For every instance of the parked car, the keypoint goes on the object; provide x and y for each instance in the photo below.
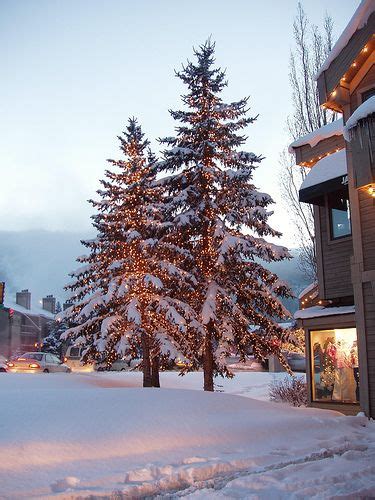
(3, 364)
(37, 362)
(72, 359)
(120, 365)
(296, 361)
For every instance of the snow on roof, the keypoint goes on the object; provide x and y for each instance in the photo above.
(329, 130)
(308, 289)
(365, 109)
(317, 311)
(35, 310)
(327, 168)
(359, 19)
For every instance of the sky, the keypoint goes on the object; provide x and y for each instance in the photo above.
(73, 71)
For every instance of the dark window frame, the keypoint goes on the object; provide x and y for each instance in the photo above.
(310, 368)
(366, 94)
(331, 238)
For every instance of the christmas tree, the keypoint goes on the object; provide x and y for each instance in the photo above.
(220, 220)
(121, 303)
(53, 342)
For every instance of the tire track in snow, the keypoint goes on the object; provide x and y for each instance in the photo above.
(179, 483)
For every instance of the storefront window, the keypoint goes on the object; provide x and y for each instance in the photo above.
(334, 363)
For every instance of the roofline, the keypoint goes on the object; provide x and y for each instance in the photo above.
(332, 81)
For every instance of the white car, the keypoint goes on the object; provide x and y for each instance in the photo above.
(37, 362)
(3, 364)
(73, 360)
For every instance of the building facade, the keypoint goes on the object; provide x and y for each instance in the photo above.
(24, 325)
(340, 328)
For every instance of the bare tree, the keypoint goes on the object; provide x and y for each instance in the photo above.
(312, 45)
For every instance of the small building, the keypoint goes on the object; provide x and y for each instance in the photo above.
(23, 325)
(340, 325)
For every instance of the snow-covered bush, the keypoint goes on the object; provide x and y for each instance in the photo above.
(291, 390)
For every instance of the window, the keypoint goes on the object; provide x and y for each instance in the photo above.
(49, 358)
(339, 214)
(33, 355)
(74, 352)
(366, 95)
(334, 365)
(55, 359)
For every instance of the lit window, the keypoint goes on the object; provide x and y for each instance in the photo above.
(339, 213)
(334, 365)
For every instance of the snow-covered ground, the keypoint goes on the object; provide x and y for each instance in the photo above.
(100, 435)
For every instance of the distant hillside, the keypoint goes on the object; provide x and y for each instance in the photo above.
(41, 261)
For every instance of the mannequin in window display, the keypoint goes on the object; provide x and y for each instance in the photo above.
(344, 383)
(354, 360)
(328, 374)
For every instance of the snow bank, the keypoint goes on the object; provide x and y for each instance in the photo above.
(329, 167)
(329, 130)
(317, 311)
(79, 436)
(363, 111)
(358, 21)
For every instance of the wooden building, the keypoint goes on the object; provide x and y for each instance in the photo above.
(340, 330)
(23, 325)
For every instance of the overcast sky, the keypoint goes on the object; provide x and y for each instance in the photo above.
(73, 71)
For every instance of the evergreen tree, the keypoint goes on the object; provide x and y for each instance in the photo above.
(53, 342)
(121, 302)
(220, 220)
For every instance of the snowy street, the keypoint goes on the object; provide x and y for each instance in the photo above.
(90, 435)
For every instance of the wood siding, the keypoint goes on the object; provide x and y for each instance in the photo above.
(366, 83)
(367, 214)
(306, 153)
(369, 303)
(330, 78)
(335, 262)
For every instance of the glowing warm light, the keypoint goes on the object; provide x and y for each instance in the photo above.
(354, 64)
(371, 190)
(10, 364)
(34, 365)
(365, 48)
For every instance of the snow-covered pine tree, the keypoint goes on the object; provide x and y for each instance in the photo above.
(220, 219)
(53, 342)
(120, 294)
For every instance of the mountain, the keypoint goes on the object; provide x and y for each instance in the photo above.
(41, 261)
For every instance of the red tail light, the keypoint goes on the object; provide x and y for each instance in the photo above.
(34, 365)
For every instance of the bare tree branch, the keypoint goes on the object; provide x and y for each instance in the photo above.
(312, 46)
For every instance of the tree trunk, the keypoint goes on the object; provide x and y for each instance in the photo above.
(155, 371)
(208, 364)
(146, 364)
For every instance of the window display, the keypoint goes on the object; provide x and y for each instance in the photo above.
(335, 375)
